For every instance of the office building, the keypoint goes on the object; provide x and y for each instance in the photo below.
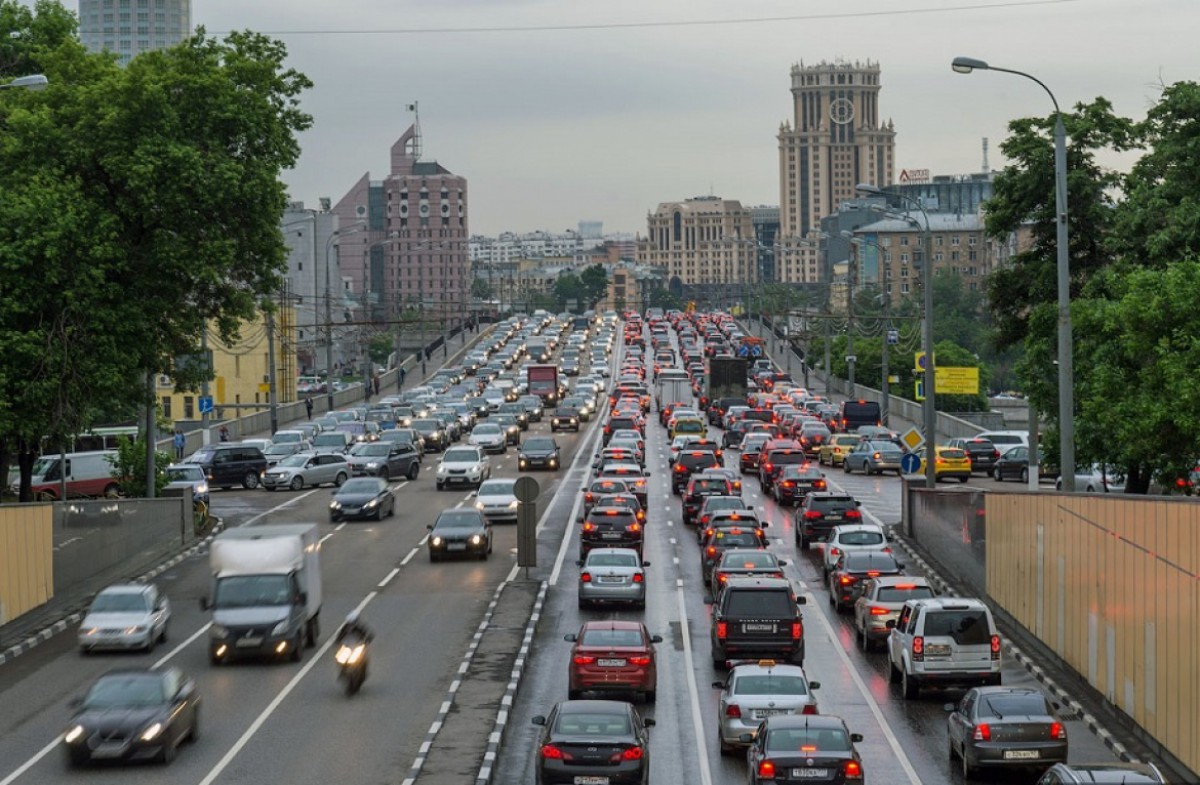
(130, 27)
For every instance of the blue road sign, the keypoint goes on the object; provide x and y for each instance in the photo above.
(743, 351)
(756, 351)
(206, 404)
(910, 463)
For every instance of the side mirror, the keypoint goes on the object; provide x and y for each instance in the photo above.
(538, 720)
(570, 637)
(746, 738)
(890, 624)
(782, 562)
(814, 685)
(656, 639)
(801, 600)
(764, 525)
(302, 598)
(579, 562)
(649, 722)
(948, 707)
(856, 737)
(719, 685)
(429, 526)
(75, 703)
(857, 504)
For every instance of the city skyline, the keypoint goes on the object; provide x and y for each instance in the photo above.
(631, 104)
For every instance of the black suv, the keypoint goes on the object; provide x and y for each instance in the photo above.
(698, 489)
(821, 512)
(982, 452)
(754, 618)
(610, 527)
(691, 462)
(229, 464)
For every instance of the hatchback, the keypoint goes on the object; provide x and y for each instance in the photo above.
(597, 741)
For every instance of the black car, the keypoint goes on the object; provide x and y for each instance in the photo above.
(593, 741)
(982, 452)
(717, 409)
(820, 745)
(756, 618)
(564, 417)
(510, 425)
(460, 532)
(698, 488)
(228, 464)
(133, 714)
(517, 410)
(362, 498)
(771, 464)
(386, 460)
(479, 405)
(725, 534)
(795, 483)
(688, 463)
(433, 432)
(853, 569)
(610, 527)
(539, 452)
(820, 512)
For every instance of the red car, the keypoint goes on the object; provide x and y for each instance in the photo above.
(613, 656)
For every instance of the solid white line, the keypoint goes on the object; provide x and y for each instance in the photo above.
(395, 571)
(327, 536)
(566, 541)
(27, 765)
(408, 558)
(340, 526)
(693, 693)
(423, 540)
(276, 508)
(167, 657)
(259, 721)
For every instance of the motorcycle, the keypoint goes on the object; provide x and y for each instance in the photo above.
(351, 657)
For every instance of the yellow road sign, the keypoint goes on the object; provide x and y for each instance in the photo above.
(912, 439)
(956, 381)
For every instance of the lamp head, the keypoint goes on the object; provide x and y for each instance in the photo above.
(965, 65)
(867, 188)
(31, 82)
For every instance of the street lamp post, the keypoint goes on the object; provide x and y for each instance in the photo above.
(928, 406)
(1066, 349)
(31, 82)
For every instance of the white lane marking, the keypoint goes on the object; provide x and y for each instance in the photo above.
(327, 536)
(584, 449)
(391, 575)
(412, 553)
(460, 504)
(262, 718)
(340, 526)
(892, 741)
(693, 693)
(276, 508)
(423, 540)
(399, 485)
(27, 765)
(167, 657)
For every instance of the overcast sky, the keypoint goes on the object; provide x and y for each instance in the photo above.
(626, 105)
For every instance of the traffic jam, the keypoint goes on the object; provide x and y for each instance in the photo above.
(704, 442)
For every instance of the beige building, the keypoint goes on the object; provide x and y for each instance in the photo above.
(835, 140)
(706, 242)
(629, 287)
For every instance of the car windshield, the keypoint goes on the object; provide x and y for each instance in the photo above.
(592, 724)
(497, 488)
(596, 559)
(461, 456)
(252, 591)
(120, 602)
(598, 636)
(372, 449)
(539, 444)
(1013, 704)
(361, 485)
(125, 691)
(754, 560)
(770, 684)
(280, 449)
(808, 740)
(296, 460)
(330, 440)
(457, 519)
(283, 437)
(486, 429)
(185, 474)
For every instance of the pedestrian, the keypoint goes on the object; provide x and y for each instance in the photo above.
(308, 405)
(224, 433)
(375, 381)
(402, 374)
(180, 442)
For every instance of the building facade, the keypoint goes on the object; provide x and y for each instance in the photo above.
(312, 271)
(707, 243)
(835, 139)
(130, 27)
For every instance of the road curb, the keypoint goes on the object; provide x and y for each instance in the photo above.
(1035, 670)
(74, 617)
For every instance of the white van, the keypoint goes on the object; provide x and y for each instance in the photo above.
(87, 474)
(1005, 439)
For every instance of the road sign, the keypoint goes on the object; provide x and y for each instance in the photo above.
(919, 362)
(743, 351)
(893, 337)
(851, 358)
(206, 404)
(956, 381)
(919, 392)
(526, 489)
(912, 439)
(911, 462)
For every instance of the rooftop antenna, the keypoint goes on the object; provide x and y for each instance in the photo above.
(415, 145)
(986, 168)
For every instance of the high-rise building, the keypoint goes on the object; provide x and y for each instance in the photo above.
(130, 27)
(835, 140)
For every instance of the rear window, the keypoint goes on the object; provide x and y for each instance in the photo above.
(602, 637)
(692, 460)
(832, 504)
(787, 458)
(896, 594)
(709, 486)
(762, 415)
(861, 538)
(869, 561)
(611, 517)
(770, 685)
(809, 740)
(592, 724)
(966, 628)
(743, 539)
(1013, 705)
(762, 603)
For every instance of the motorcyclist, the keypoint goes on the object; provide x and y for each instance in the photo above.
(353, 625)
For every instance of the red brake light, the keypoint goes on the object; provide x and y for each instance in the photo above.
(550, 752)
(852, 771)
(787, 484)
(766, 769)
(583, 659)
(873, 573)
(995, 647)
(879, 611)
(586, 577)
(767, 466)
(638, 577)
(797, 630)
(846, 580)
(632, 753)
(722, 630)
(918, 648)
(639, 660)
(1057, 731)
(733, 710)
(633, 527)
(812, 515)
(852, 514)
(809, 709)
(712, 551)
(722, 578)
(983, 732)
(835, 551)
(589, 527)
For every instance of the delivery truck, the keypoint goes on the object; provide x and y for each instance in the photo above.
(672, 386)
(543, 382)
(266, 592)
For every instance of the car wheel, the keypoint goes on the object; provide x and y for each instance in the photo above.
(386, 475)
(864, 642)
(111, 491)
(846, 466)
(162, 635)
(996, 475)
(433, 556)
(909, 686)
(340, 479)
(803, 543)
(968, 771)
(414, 470)
(963, 479)
(726, 749)
(297, 483)
(439, 485)
(1024, 475)
(250, 481)
(168, 753)
(298, 647)
(893, 672)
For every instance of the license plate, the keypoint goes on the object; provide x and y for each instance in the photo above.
(611, 579)
(810, 774)
(610, 535)
(937, 650)
(456, 546)
(764, 713)
(109, 749)
(833, 517)
(1021, 755)
(608, 663)
(247, 642)
(758, 628)
(591, 781)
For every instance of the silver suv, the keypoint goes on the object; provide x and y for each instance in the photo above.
(943, 642)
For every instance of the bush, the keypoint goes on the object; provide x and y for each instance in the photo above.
(129, 468)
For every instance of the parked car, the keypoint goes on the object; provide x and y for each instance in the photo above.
(1014, 465)
(982, 452)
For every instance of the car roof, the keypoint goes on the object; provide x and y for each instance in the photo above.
(951, 603)
(757, 582)
(758, 669)
(126, 588)
(610, 552)
(592, 707)
(901, 580)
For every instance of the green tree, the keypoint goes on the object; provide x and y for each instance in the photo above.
(380, 348)
(595, 284)
(569, 287)
(481, 289)
(129, 467)
(661, 297)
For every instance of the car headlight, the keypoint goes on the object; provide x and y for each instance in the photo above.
(370, 504)
(513, 504)
(280, 628)
(436, 542)
(335, 505)
(476, 539)
(373, 465)
(201, 489)
(74, 734)
(151, 733)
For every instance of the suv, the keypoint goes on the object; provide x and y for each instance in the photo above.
(610, 527)
(691, 462)
(944, 642)
(698, 488)
(820, 513)
(757, 617)
(982, 452)
(772, 461)
(227, 465)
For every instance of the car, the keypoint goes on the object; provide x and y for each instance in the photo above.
(125, 616)
(721, 536)
(534, 407)
(635, 446)
(361, 498)
(539, 452)
(275, 453)
(943, 642)
(508, 423)
(599, 488)
(1096, 478)
(812, 436)
(133, 714)
(816, 743)
(599, 741)
(742, 562)
(463, 466)
(188, 475)
(1013, 464)
(691, 462)
(332, 442)
(1102, 774)
(794, 483)
(851, 538)
(307, 469)
(433, 432)
(949, 463)
(880, 601)
(982, 452)
(754, 618)
(873, 457)
(633, 475)
(754, 691)
(750, 450)
(607, 526)
(361, 430)
(713, 504)
(384, 459)
(230, 463)
(567, 416)
(729, 475)
(852, 568)
(1005, 728)
(775, 455)
(290, 436)
(459, 532)
(735, 518)
(497, 500)
(612, 575)
(698, 488)
(613, 656)
(489, 437)
(820, 512)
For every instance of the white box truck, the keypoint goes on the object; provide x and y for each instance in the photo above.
(672, 386)
(266, 592)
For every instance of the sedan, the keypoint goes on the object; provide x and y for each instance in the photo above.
(612, 575)
(852, 569)
(834, 451)
(851, 538)
(512, 429)
(384, 459)
(460, 532)
(133, 714)
(307, 469)
(796, 482)
(753, 692)
(745, 563)
(819, 745)
(125, 616)
(566, 416)
(362, 498)
(880, 602)
(950, 463)
(879, 457)
(613, 656)
(490, 437)
(188, 475)
(539, 452)
(1005, 727)
(497, 500)
(604, 742)
(1013, 464)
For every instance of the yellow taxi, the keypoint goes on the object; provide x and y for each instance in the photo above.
(688, 426)
(833, 452)
(949, 463)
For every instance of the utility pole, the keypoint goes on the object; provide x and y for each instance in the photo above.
(887, 331)
(272, 396)
(204, 389)
(151, 465)
(850, 358)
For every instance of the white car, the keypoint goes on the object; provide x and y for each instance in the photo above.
(852, 539)
(489, 437)
(601, 369)
(497, 500)
(125, 616)
(463, 466)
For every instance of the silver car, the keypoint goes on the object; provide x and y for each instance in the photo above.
(489, 437)
(612, 575)
(125, 616)
(307, 469)
(189, 475)
(754, 691)
(497, 501)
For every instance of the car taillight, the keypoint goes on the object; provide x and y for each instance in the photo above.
(835, 551)
(586, 577)
(679, 467)
(766, 768)
(983, 732)
(638, 577)
(918, 649)
(787, 484)
(766, 466)
(633, 527)
(633, 753)
(846, 580)
(812, 515)
(1057, 731)
(819, 484)
(852, 770)
(853, 515)
(583, 659)
(876, 611)
(711, 551)
(733, 710)
(589, 527)
(809, 708)
(797, 630)
(995, 647)
(722, 630)
(551, 752)
(639, 660)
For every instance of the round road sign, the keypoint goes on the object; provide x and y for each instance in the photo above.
(526, 489)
